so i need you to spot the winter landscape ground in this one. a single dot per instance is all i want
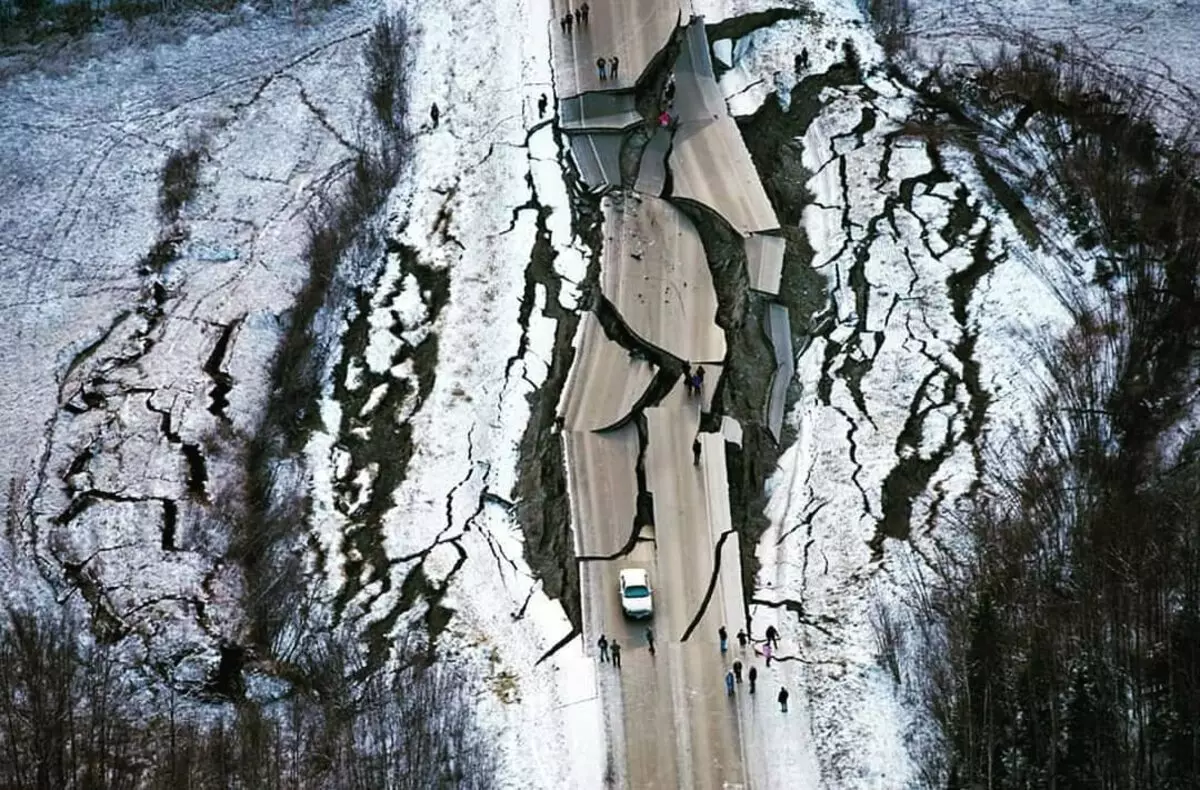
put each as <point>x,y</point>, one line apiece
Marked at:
<point>290,373</point>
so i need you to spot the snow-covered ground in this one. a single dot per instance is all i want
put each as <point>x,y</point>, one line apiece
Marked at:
<point>1153,41</point>
<point>915,406</point>
<point>280,108</point>
<point>465,206</point>
<point>107,403</point>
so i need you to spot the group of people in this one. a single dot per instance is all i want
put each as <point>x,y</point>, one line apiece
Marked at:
<point>611,651</point>
<point>579,19</point>
<point>733,676</point>
<point>801,61</point>
<point>607,69</point>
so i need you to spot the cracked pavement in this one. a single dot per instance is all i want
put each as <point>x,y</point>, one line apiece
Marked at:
<point>638,496</point>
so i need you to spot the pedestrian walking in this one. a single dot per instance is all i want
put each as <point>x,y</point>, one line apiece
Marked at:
<point>579,18</point>
<point>650,640</point>
<point>721,632</point>
<point>603,645</point>
<point>616,654</point>
<point>435,115</point>
<point>563,24</point>
<point>699,378</point>
<point>729,684</point>
<point>613,62</point>
<point>737,670</point>
<point>752,677</point>
<point>584,9</point>
<point>542,101</point>
<point>696,451</point>
<point>742,638</point>
<point>569,20</point>
<point>767,652</point>
<point>772,636</point>
<point>687,374</point>
<point>600,67</point>
<point>783,695</point>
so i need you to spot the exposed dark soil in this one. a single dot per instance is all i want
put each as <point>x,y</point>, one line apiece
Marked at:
<point>543,507</point>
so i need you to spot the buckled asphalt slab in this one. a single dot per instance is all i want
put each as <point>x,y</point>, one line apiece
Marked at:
<point>779,331</point>
<point>652,171</point>
<point>764,262</point>
<point>591,112</point>
<point>710,165</point>
<point>655,273</point>
<point>604,384</point>
<point>597,157</point>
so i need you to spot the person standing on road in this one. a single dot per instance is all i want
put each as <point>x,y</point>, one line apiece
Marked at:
<point>569,20</point>
<point>742,638</point>
<point>579,18</point>
<point>729,684</point>
<point>616,654</point>
<point>600,68</point>
<point>563,24</point>
<point>603,644</point>
<point>699,378</point>
<point>721,632</point>
<point>783,695</point>
<point>613,62</point>
<point>584,9</point>
<point>753,677</point>
<point>737,670</point>
<point>696,451</point>
<point>767,653</point>
<point>542,101</point>
<point>435,115</point>
<point>650,639</point>
<point>773,636</point>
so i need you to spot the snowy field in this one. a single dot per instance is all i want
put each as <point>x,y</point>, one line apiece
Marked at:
<point>115,370</point>
<point>115,373</point>
<point>1156,42</point>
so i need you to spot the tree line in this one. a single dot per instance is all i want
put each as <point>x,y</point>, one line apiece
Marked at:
<point>74,716</point>
<point>1063,651</point>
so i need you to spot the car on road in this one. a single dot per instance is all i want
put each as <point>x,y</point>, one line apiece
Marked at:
<point>636,598</point>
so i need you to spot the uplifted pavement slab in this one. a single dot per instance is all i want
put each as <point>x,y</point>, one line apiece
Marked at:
<point>605,382</point>
<point>764,262</point>
<point>711,166</point>
<point>779,331</point>
<point>602,479</point>
<point>698,98</point>
<point>709,162</point>
<point>597,155</point>
<point>634,31</point>
<point>652,172</point>
<point>656,275</point>
<point>591,112</point>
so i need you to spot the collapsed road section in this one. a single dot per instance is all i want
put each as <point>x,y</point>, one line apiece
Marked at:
<point>646,468</point>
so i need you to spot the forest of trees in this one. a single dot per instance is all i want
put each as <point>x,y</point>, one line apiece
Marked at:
<point>1064,651</point>
<point>35,20</point>
<point>73,717</point>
